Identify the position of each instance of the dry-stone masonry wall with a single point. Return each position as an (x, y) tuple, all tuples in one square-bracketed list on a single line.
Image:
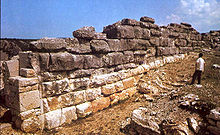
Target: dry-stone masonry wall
[(58, 81)]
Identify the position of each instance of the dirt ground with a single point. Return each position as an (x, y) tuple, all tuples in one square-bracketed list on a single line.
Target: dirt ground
[(176, 76)]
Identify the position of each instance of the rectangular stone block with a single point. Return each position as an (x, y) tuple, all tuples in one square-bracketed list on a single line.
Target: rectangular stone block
[(84, 109), (119, 86), (92, 94), (53, 119), (26, 72), (55, 87), (129, 82), (11, 68), (68, 115), (155, 41), (167, 51), (22, 82), (21, 89), (23, 101), (111, 59), (30, 113), (128, 57), (100, 46), (115, 45), (24, 59), (100, 104), (92, 61), (51, 103), (108, 89)]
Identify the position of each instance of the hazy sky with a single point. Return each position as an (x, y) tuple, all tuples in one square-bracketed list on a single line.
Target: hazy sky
[(59, 18)]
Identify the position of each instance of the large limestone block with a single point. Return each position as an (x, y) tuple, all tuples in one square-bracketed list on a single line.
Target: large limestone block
[(155, 41), (100, 36), (52, 76), (138, 32), (128, 57), (11, 68), (119, 31), (131, 22), (92, 94), (74, 46), (20, 89), (29, 100), (55, 87), (167, 51), (129, 82), (33, 124), (65, 61), (155, 33), (51, 103), (114, 58), (29, 114), (119, 86), (128, 44), (131, 91), (24, 59), (108, 89), (53, 119), (68, 115), (99, 46), (84, 109), (146, 34), (85, 32), (26, 72), (93, 61), (48, 44), (141, 44), (166, 42), (180, 42), (100, 104), (147, 19), (79, 84), (115, 45), (22, 82)]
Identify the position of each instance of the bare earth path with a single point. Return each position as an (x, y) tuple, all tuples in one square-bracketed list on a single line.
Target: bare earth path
[(167, 78)]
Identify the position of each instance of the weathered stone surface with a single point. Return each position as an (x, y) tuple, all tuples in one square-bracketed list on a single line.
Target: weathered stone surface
[(55, 87), (147, 19), (140, 117), (128, 57), (85, 32), (29, 114), (129, 82), (166, 42), (119, 86), (26, 72), (68, 115), (128, 44), (33, 124), (80, 73), (20, 89), (74, 46), (167, 51), (114, 58), (180, 42), (77, 97), (155, 33), (52, 103), (92, 94), (119, 31), (22, 82), (11, 68), (99, 46), (131, 91), (141, 44), (84, 109), (100, 36), (193, 125), (93, 61), (79, 84), (108, 89), (186, 24), (138, 32), (100, 104), (215, 114), (131, 22), (114, 45), (185, 49), (52, 76), (53, 119), (65, 61), (155, 41), (214, 130), (146, 34), (48, 44)]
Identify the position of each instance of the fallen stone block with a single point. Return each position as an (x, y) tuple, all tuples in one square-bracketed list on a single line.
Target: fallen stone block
[(147, 19), (131, 22), (100, 104), (84, 109)]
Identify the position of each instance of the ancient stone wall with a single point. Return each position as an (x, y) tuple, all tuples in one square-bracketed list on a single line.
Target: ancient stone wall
[(58, 81)]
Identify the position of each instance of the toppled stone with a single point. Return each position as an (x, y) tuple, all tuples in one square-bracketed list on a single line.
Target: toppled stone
[(140, 117), (215, 114), (193, 125), (216, 66), (131, 22), (85, 32)]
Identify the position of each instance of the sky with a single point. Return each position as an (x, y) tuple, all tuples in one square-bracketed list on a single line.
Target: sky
[(34, 19)]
